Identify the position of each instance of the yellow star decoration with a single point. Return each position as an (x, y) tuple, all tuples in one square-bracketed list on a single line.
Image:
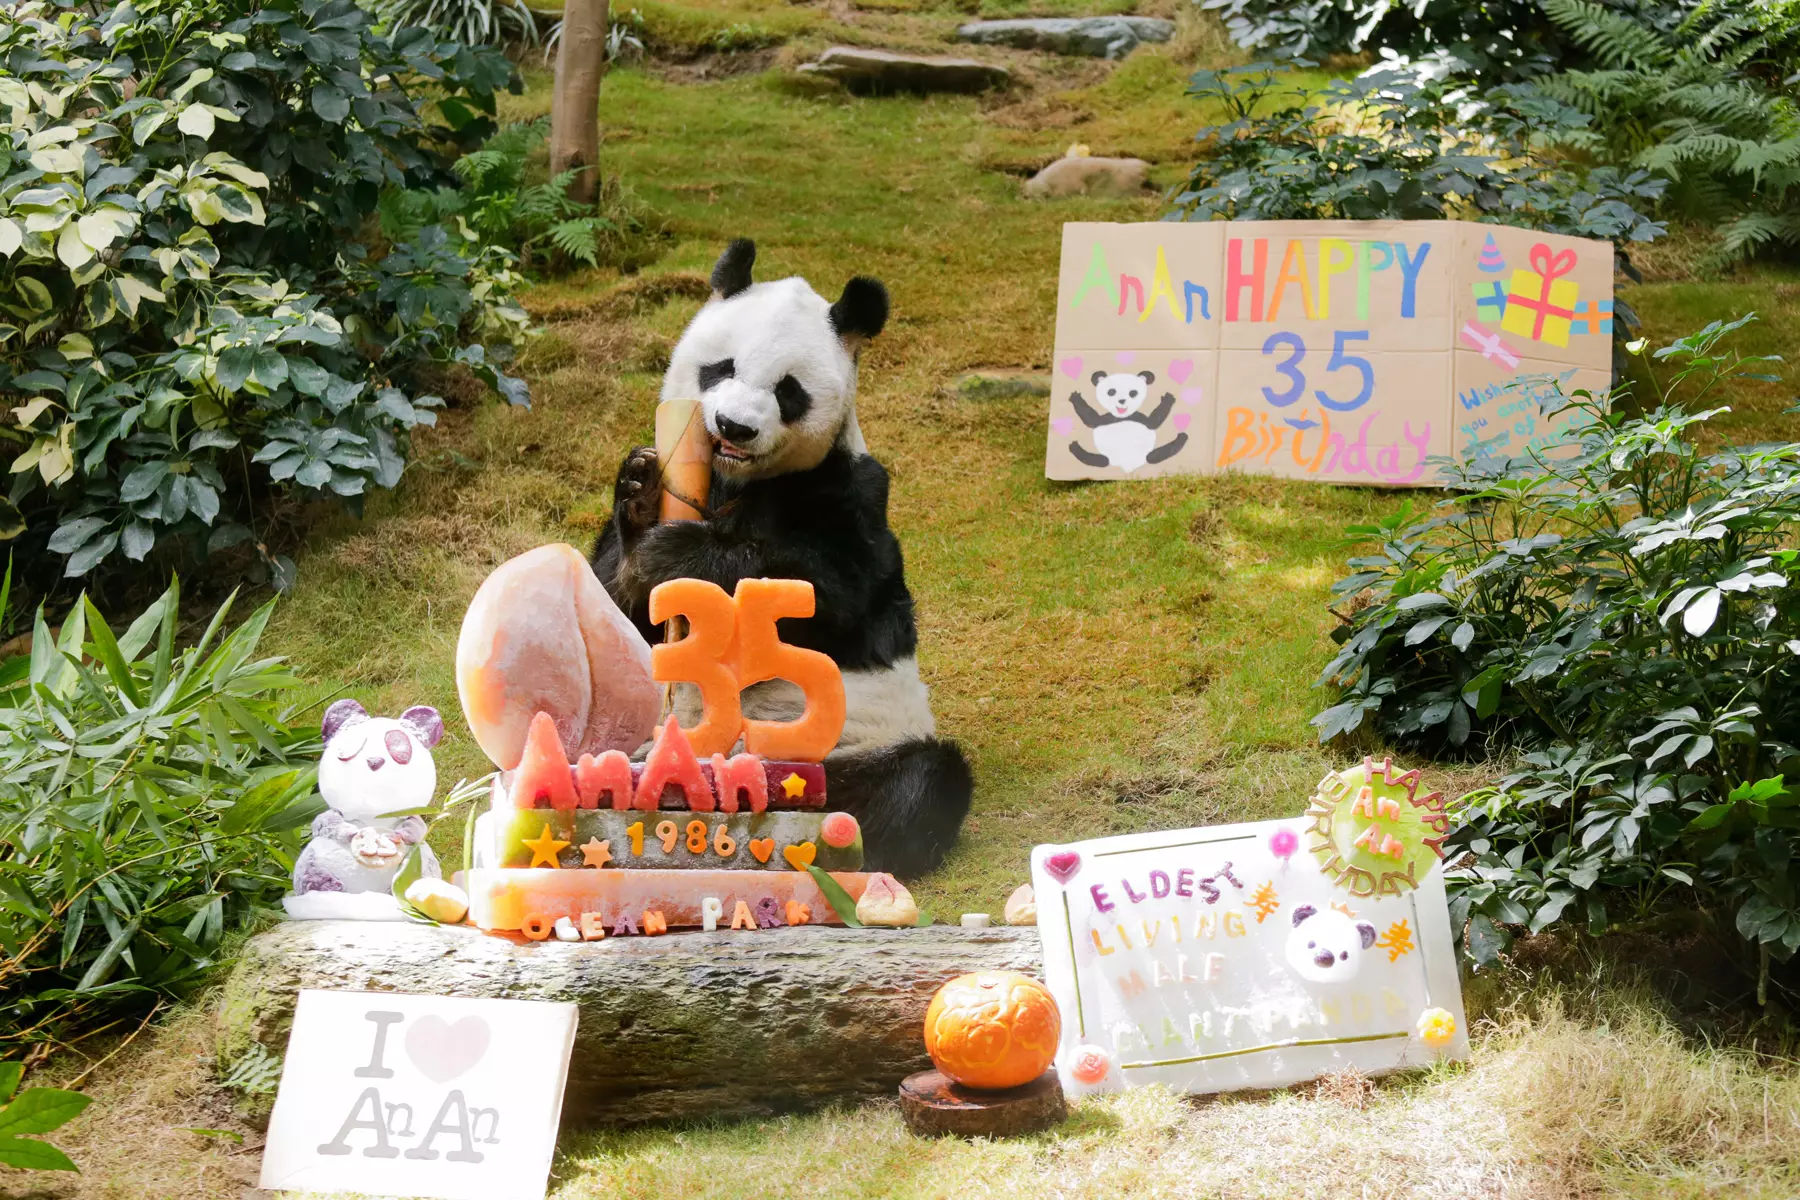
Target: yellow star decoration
[(543, 848), (596, 853), (794, 786)]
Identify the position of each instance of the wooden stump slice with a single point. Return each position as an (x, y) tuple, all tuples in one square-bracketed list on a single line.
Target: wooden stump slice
[(934, 1104)]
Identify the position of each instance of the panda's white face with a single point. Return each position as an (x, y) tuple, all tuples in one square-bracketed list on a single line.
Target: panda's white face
[(776, 382), (1122, 395)]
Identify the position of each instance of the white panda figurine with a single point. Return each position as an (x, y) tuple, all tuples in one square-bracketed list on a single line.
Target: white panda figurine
[(1327, 947), (1124, 435), (796, 495), (372, 766)]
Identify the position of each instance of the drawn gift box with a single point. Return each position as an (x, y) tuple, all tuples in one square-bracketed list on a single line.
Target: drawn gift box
[(1540, 304), (1593, 316), (1490, 299)]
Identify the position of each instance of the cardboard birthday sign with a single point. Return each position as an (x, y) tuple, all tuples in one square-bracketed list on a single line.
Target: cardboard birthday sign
[(1342, 351), (397, 1095), (1256, 955)]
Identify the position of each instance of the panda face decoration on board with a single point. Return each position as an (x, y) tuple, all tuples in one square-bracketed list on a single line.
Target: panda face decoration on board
[(1327, 947), (774, 366), (1122, 395)]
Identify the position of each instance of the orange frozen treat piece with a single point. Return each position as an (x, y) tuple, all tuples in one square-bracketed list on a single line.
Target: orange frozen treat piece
[(761, 655), (700, 657), (992, 1029), (672, 761), (542, 635)]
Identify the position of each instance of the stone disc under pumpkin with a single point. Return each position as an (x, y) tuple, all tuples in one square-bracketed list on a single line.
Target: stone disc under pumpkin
[(933, 1104)]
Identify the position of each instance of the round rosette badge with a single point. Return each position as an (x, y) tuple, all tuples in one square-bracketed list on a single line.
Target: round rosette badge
[(1373, 832)]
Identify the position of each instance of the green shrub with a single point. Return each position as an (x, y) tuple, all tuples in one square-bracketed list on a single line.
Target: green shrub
[(151, 802), (505, 200), (194, 316), (1702, 104), (471, 22), (1624, 616), (34, 1110), (1385, 147)]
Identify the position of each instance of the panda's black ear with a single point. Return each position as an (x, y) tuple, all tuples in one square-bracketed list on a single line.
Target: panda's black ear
[(1303, 912), (1367, 933), (731, 274), (861, 311), (1096, 377), (1149, 377)]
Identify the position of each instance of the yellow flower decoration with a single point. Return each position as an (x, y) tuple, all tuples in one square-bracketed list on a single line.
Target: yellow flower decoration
[(1436, 1027)]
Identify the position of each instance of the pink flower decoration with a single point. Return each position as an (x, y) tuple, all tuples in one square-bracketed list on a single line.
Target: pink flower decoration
[(1283, 843)]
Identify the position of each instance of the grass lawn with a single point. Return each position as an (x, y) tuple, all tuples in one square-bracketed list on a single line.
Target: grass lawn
[(1114, 657)]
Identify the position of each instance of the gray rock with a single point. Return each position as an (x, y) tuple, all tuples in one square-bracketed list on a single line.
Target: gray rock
[(1089, 177), (1095, 37), (883, 71), (674, 1027), (1001, 385)]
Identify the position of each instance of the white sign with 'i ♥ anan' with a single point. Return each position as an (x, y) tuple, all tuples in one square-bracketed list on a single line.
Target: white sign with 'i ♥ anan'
[(435, 1096)]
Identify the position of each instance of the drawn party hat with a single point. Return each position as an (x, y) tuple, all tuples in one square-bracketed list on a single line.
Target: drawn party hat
[(1491, 260)]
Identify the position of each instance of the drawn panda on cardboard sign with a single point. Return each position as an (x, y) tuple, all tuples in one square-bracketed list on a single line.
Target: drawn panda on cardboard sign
[(1124, 435), (796, 495)]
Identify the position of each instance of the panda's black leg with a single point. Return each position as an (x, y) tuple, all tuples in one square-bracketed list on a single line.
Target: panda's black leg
[(1167, 450), (1088, 456), (910, 799)]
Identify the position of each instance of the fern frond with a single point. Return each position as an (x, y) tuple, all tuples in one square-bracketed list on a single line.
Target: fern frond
[(577, 239), (1615, 38)]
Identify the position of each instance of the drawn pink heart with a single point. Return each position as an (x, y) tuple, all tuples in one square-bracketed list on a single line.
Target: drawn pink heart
[(1071, 366), (1061, 426), (1190, 395), (1180, 369), (1182, 420), (1062, 865), (1126, 357), (443, 1051)]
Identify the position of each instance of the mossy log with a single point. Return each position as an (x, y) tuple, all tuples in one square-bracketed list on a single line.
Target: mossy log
[(676, 1027)]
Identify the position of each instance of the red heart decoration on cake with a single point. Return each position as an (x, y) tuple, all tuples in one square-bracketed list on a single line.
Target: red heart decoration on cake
[(1063, 865)]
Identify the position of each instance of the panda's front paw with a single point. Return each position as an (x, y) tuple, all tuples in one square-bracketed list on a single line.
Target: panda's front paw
[(637, 496)]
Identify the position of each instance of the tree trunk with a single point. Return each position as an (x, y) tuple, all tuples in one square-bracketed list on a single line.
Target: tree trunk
[(680, 1026), (575, 97)]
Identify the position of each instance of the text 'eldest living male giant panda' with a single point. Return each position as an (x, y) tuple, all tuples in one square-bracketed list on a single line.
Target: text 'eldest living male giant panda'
[(795, 495)]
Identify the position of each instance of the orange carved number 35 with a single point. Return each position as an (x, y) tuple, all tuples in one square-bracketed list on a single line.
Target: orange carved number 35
[(732, 643)]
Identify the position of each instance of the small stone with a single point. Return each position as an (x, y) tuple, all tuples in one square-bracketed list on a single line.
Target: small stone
[(976, 921), (1001, 385), (1095, 37), (883, 71), (1088, 176), (1021, 906)]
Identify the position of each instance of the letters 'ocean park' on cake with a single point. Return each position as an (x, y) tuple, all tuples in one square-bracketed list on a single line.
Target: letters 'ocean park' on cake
[(718, 825)]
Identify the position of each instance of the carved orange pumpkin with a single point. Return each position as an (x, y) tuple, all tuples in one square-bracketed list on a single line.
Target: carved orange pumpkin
[(992, 1029)]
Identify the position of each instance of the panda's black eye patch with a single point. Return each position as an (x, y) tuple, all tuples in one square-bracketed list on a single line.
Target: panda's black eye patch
[(712, 373), (792, 399)]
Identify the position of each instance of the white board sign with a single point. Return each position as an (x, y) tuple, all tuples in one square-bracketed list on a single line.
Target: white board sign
[(397, 1095), (1222, 958)]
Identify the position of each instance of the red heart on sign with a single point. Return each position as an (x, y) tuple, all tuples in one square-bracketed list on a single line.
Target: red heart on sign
[(1063, 865)]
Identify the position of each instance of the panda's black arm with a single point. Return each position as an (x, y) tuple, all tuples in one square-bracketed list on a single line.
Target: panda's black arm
[(1155, 418), (1089, 417), (701, 550)]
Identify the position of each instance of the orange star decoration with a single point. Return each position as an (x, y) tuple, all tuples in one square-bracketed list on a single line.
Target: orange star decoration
[(596, 853), (794, 786), (1397, 940), (543, 848), (1264, 901)]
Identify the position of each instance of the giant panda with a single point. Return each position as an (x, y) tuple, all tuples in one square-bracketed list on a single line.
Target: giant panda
[(796, 495)]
